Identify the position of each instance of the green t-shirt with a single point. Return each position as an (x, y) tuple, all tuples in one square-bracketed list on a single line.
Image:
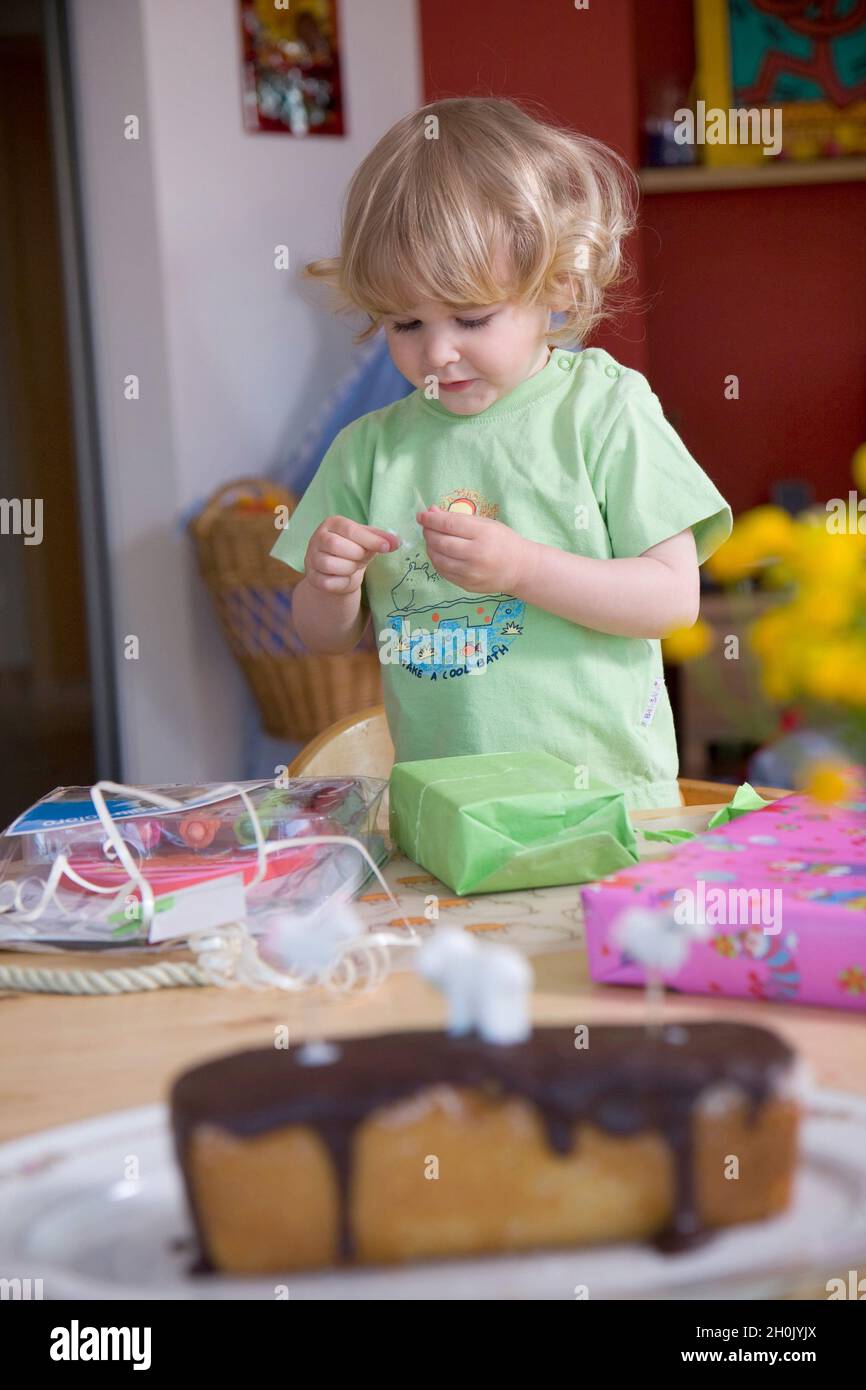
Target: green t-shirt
[(578, 456)]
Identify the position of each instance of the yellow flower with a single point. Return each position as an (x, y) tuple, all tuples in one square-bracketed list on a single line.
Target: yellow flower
[(759, 537), (773, 633), (732, 561), (688, 643), (826, 557), (858, 468), (829, 780), (813, 642), (777, 684), (770, 530), (854, 675), (827, 678), (824, 606)]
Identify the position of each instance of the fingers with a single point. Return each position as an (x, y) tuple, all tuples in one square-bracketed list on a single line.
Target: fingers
[(449, 535), (373, 540), (455, 547), (340, 550), (334, 583), (449, 523), (325, 563), (335, 547), (340, 538)]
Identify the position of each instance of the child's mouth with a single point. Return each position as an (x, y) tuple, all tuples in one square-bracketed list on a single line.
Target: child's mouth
[(458, 385)]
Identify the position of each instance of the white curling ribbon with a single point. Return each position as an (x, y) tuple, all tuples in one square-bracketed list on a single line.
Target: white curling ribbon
[(308, 943), (228, 955), (656, 939), (329, 946), (486, 985)]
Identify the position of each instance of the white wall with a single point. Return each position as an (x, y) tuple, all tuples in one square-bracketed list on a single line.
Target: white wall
[(233, 355)]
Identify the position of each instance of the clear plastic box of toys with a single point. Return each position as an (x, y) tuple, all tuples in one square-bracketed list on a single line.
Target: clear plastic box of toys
[(114, 866)]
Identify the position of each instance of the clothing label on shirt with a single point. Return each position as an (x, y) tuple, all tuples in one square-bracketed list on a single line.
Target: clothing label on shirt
[(647, 716)]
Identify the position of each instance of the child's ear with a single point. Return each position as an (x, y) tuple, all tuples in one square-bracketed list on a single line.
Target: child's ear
[(562, 295)]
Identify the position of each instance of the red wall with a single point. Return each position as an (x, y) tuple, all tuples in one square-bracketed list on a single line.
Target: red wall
[(580, 64), (769, 284)]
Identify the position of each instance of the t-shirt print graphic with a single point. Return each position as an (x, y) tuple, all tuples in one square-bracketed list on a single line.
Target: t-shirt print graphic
[(436, 634)]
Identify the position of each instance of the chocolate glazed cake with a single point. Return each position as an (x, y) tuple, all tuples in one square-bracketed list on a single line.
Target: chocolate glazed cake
[(418, 1145)]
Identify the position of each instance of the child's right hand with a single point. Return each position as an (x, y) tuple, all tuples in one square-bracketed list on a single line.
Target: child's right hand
[(339, 552)]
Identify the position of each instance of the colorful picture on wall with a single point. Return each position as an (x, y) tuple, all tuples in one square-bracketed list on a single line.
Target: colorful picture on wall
[(801, 61), (291, 67)]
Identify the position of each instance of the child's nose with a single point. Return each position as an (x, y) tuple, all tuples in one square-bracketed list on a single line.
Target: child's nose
[(441, 352)]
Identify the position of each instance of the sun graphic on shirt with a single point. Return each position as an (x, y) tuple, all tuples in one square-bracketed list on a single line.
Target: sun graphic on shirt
[(468, 502)]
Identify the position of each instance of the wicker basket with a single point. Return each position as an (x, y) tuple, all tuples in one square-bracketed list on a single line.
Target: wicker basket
[(299, 694)]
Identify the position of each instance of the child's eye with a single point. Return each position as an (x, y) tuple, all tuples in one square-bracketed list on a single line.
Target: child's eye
[(464, 323)]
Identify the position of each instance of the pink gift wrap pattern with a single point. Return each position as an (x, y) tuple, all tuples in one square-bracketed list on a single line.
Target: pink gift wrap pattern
[(814, 853)]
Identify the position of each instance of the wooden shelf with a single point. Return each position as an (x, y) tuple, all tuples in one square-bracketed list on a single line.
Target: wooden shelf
[(775, 173)]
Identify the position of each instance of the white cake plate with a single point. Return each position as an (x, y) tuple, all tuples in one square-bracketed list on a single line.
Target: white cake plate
[(71, 1217)]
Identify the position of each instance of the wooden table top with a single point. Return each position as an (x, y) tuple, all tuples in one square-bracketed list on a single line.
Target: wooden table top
[(67, 1057)]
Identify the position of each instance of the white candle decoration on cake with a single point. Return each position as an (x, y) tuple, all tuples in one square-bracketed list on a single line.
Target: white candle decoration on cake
[(658, 942), (652, 938), (310, 943), (486, 985), (316, 1052), (503, 999)]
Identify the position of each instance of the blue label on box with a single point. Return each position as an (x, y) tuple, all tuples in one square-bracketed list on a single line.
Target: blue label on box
[(53, 815), (57, 812)]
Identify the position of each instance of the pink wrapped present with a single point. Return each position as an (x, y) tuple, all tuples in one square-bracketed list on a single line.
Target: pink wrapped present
[(783, 891)]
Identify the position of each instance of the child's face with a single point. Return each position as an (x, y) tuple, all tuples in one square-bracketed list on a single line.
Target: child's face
[(506, 345)]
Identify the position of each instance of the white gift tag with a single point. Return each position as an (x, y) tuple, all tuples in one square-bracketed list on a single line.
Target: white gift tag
[(199, 908)]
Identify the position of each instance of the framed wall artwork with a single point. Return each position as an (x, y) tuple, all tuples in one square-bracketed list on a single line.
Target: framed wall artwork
[(803, 62), (291, 67)]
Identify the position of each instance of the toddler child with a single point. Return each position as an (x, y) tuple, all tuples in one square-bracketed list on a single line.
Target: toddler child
[(526, 525)]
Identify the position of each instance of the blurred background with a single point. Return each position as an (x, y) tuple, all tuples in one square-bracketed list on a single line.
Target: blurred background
[(166, 167)]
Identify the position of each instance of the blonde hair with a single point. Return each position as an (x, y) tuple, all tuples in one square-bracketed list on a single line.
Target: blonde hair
[(471, 200)]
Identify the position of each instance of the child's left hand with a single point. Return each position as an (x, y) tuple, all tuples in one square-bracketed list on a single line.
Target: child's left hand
[(476, 553)]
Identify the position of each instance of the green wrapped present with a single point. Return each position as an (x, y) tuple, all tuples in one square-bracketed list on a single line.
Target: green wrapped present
[(495, 821)]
